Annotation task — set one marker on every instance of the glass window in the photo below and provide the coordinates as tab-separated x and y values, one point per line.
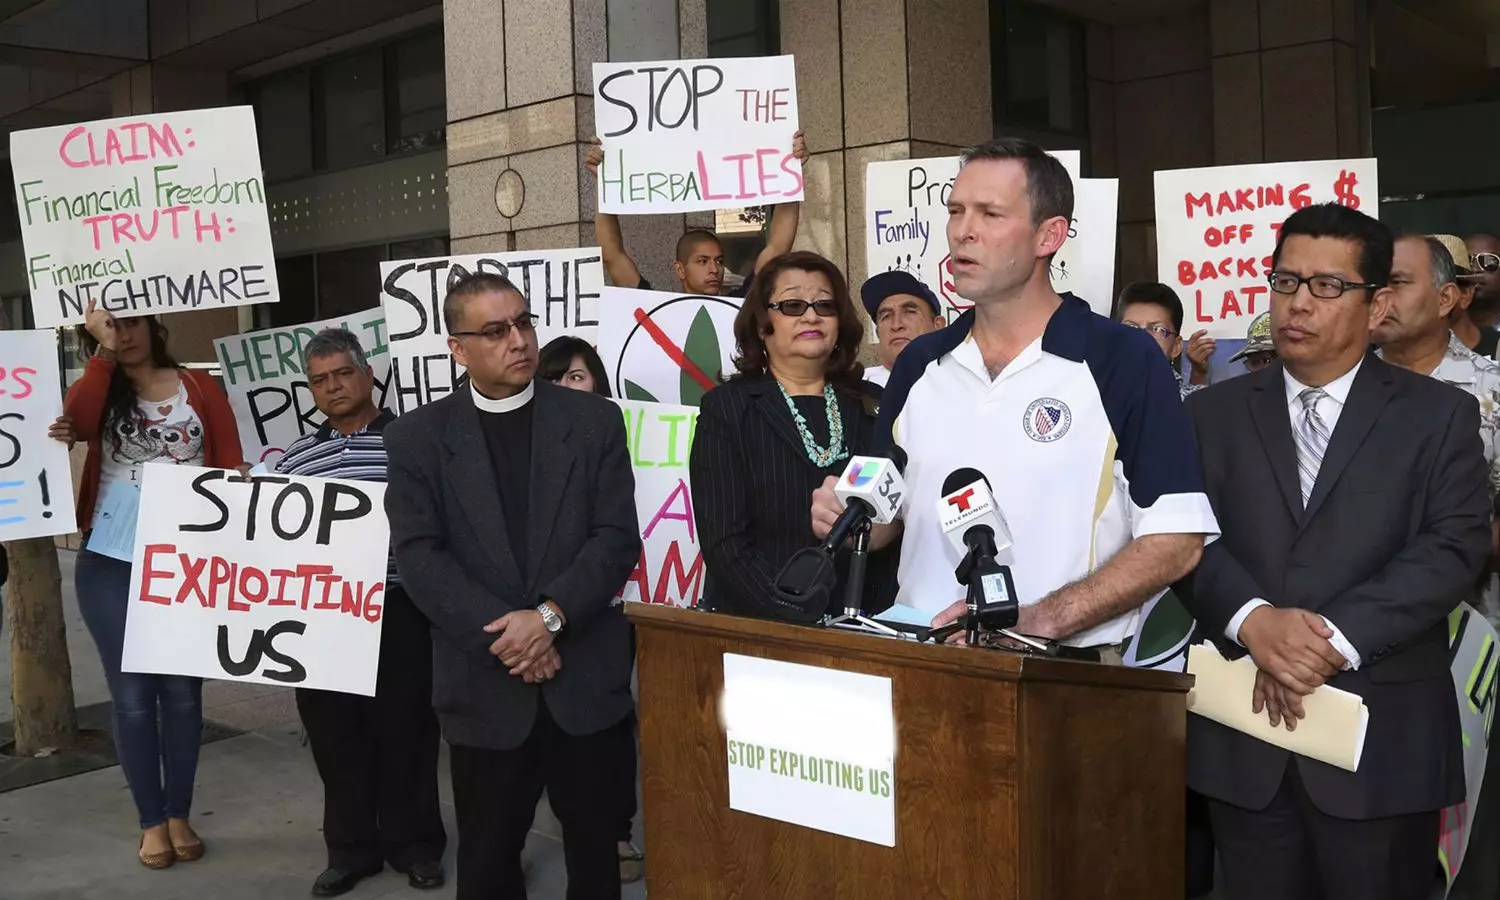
420	248
1037	69
743	28
419	94
283	124
349	280
296	276
352	110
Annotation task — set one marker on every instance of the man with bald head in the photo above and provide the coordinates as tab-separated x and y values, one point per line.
699	266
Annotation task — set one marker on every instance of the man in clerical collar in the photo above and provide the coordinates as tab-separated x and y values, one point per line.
512	510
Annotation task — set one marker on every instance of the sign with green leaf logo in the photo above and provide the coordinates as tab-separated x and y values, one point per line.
666	348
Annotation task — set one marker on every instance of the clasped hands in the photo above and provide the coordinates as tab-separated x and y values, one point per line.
1293	654
525	646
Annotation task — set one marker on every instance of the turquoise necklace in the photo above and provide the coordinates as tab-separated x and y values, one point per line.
834	452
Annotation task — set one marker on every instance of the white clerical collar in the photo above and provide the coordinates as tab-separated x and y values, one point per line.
505	405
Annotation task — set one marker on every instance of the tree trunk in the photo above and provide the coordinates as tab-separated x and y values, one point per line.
41	673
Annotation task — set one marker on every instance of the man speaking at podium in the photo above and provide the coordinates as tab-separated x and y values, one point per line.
1074	420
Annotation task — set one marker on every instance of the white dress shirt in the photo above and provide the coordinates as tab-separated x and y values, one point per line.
1329	408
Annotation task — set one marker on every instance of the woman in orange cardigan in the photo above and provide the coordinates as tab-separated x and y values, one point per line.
134	405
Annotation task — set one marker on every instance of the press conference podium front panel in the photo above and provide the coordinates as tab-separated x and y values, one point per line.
1016	776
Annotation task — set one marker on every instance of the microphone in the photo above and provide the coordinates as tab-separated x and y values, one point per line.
969	516
972	522
871	488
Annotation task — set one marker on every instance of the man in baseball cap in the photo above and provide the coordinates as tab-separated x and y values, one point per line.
1472	328
902	308
1259	351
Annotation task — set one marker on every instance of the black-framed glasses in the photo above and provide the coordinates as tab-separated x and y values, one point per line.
826	309
1324	287
495	332
1486	262
1155	329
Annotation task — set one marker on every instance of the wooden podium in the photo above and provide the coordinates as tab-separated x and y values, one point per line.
1016	776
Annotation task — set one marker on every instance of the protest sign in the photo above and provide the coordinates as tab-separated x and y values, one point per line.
685	135
1472	652
670	570
562	288
36	484
906	222
812	746
147	214
279	580
268	390
666	348
1216	231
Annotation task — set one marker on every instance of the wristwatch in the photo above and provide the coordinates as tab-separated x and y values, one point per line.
550	619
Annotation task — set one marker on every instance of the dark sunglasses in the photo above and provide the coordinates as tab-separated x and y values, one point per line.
826	309
1486	262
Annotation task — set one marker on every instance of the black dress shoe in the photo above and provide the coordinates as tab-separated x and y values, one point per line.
334	882
426	876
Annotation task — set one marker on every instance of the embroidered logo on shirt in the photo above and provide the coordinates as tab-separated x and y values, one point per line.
1047	419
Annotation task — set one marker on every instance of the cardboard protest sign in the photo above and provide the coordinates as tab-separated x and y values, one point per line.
906	222
1472	650
280	580
670	570
268	390
561	286
685	135
155	213
36	484
666	348
1216	231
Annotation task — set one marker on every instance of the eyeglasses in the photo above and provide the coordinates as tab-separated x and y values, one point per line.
495	332
1324	287
825	309
1486	262
1155	329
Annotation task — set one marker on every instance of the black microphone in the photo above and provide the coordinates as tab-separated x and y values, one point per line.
871	489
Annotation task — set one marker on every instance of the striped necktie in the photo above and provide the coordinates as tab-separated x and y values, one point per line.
1311	435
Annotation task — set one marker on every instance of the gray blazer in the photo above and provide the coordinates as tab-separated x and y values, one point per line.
451	547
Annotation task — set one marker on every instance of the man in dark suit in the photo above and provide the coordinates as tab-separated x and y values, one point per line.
1354	514
512	510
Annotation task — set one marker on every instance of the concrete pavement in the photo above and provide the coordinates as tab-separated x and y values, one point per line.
258	807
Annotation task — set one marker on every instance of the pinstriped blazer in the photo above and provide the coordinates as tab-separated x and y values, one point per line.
752	494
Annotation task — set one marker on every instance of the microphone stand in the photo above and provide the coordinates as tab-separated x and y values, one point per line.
854	590
971	571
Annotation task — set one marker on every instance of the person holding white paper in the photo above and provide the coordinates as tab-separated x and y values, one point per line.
699	266
1355	516
134	405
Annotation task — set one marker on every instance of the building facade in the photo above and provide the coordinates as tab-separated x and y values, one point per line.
405	128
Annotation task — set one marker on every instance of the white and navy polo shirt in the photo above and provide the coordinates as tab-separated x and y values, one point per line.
355	457
1083	438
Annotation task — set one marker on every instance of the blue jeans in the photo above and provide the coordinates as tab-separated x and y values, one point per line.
158	719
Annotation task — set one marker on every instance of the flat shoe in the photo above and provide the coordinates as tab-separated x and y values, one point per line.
189	852
162	860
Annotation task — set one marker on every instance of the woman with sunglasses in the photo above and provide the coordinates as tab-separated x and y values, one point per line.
768	438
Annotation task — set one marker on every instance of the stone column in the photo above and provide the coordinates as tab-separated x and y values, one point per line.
867	92
520	111
1291	80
